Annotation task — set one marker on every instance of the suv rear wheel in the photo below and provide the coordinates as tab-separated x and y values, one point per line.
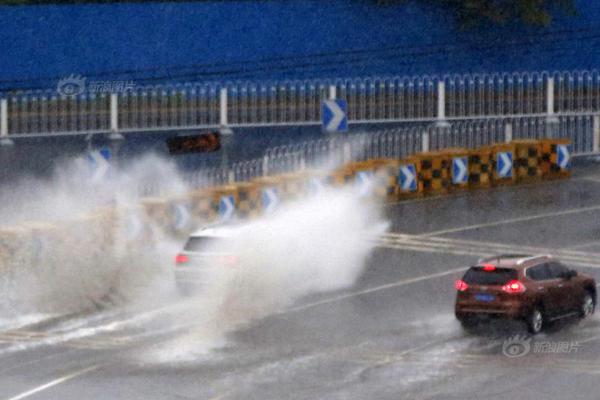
468	323
587	305
535	321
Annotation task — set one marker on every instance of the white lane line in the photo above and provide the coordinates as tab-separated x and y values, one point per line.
583	245
510	221
443	242
434	249
476	253
53	383
399	283
477	248
564	250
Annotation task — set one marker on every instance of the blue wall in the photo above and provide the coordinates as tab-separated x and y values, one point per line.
229	40
223	40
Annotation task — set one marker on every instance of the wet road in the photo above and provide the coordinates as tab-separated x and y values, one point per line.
391	336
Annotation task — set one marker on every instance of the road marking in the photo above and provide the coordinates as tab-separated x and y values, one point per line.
53	383
443	242
511	221
479	249
582	245
433	249
399	283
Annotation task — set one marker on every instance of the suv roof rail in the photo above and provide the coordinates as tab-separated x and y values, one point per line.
503	256
531	258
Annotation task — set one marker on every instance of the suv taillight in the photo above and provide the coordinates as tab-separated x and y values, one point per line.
181	259
228	260
514	286
461	285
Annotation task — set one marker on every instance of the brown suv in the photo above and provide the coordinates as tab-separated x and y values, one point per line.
535	289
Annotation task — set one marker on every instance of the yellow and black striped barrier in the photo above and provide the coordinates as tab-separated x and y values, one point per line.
386	179
527	160
204	204
249	199
480	168
555	158
433	172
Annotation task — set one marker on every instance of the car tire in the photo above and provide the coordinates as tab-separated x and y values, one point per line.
468	323
587	305
535	321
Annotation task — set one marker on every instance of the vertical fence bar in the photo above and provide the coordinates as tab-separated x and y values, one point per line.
4	139
550	100
425	141
441	105
596	134
114	113
508	132
223	107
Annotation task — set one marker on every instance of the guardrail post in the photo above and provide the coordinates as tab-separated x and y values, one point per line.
441	106
332	92
596	134
551	118
114	118
425	141
347	152
4	139
508	132
265	166
223	116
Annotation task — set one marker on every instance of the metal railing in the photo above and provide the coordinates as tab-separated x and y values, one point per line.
245	104
398	143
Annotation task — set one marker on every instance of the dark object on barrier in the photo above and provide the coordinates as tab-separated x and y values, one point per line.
203	143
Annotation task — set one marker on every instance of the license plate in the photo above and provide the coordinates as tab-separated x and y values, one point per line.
484	297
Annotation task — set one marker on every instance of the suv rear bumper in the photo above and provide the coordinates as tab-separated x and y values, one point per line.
503	311
189	279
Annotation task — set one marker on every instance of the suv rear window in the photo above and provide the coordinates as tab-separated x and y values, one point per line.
199	243
499	276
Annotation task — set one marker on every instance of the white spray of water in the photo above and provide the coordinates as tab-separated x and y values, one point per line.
315	245
70	261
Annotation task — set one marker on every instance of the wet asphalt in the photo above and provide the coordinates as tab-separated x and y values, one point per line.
391	336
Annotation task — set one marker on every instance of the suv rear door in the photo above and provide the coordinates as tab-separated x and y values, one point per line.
547	288
568	289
